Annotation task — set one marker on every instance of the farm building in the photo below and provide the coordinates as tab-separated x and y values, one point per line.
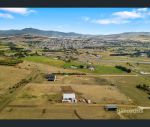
111	107
68	94
91	68
73	67
51	77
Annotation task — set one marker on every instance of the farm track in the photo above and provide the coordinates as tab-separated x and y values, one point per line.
112	75
76	105
125	61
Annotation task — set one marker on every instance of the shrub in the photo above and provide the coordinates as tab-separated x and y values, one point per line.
123	69
10	62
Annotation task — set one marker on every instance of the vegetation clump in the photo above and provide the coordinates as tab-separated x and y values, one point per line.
144	87
123	69
10	62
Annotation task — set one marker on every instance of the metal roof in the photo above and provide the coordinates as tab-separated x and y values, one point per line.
111	106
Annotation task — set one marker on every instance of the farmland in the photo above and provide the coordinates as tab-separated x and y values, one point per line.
96	77
59	63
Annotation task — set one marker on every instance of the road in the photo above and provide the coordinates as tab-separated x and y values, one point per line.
125	61
134	75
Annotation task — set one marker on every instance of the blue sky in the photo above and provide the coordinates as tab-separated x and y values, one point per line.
79	20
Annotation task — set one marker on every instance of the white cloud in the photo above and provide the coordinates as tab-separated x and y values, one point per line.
5	15
142	9
121	17
22	11
110	21
128	14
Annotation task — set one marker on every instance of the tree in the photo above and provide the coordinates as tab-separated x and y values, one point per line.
81	66
148	53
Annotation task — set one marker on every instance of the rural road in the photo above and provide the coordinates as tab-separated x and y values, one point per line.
111	75
125	61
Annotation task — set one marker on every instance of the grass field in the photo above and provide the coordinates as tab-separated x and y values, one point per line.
45	60
100	69
53	111
144	115
11	75
127	85
41	99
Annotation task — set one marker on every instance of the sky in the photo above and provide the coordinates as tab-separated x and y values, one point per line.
80	20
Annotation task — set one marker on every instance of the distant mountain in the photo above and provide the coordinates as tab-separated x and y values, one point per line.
135	36
38	32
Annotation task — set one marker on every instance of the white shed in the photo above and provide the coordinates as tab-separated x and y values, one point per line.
68	94
69	97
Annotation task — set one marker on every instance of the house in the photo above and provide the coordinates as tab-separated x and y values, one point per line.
143	54
91	68
51	77
111	107
68	94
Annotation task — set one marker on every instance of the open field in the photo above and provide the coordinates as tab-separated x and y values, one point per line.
127	85
10	76
100	69
45	60
41	99
97	94
53	111
144	115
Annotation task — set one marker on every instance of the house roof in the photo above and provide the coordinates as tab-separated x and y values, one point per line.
67	89
51	76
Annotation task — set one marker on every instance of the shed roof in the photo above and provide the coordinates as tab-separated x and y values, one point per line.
111	106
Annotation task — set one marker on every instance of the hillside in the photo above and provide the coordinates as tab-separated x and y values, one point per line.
35	38
36	32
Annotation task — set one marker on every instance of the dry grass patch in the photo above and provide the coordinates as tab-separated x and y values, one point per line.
10	76
101	94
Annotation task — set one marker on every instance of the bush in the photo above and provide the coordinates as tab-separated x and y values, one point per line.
25	95
10	62
81	66
143	87
123	69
